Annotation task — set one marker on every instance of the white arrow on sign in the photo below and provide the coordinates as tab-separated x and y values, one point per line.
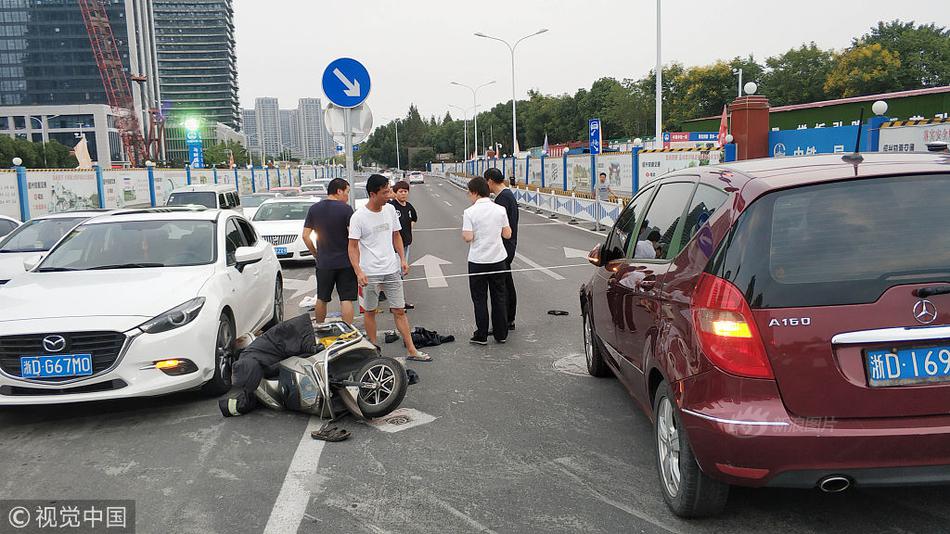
352	87
433	268
574	253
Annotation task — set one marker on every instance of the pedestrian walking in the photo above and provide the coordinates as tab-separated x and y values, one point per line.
407	218
378	258
603	193
484	225
330	219
506	199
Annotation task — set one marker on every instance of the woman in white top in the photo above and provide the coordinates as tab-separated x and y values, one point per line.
484	224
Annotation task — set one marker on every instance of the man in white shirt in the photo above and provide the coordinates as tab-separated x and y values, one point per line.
484	224
378	258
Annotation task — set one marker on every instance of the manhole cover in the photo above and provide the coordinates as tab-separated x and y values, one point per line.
574	365
398	420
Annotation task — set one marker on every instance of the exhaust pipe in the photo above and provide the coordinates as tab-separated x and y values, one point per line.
834	484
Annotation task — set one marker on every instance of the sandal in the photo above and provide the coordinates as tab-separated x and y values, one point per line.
330	434
420	357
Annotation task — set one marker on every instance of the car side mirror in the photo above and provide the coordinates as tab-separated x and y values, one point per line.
31	262
245	256
594	256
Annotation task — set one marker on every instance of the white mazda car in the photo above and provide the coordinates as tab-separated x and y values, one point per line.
280	222
137	303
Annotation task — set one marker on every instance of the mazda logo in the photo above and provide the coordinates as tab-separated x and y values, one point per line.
54	343
925	312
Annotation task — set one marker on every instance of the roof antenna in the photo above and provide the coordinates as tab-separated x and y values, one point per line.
856	158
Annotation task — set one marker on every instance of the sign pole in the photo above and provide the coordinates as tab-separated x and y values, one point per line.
348	149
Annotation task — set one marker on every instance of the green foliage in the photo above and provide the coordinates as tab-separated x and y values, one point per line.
864	69
798	75
218	154
924	51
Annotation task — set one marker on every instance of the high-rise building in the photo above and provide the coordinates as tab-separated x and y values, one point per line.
50	86
249	125
267	114
289	132
315	141
196	60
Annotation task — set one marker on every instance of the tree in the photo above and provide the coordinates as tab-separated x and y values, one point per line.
27	151
220	153
421	157
56	156
862	70
924	51
798	76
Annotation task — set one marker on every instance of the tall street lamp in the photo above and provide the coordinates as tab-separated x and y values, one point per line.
659	80
396	123
514	115
474	91
465	124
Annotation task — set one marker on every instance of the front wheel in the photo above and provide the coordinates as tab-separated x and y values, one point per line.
383	386
278	311
686	489
596	366
220	382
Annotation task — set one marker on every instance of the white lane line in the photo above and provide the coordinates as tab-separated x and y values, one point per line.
291	504
547	270
435	195
447	203
538	266
459	227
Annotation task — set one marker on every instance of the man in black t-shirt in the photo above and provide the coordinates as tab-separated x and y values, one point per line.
506	199
407	218
330	219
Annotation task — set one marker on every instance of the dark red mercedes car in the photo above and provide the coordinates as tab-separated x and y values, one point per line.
783	322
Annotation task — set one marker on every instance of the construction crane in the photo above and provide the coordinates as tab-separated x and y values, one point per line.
114	78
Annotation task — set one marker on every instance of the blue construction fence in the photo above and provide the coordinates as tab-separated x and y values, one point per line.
26	193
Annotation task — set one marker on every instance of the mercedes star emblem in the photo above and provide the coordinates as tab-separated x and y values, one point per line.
54	343
925	312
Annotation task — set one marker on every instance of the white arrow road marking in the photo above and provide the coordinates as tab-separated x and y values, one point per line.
352	87
302	287
433	268
574	253
537	266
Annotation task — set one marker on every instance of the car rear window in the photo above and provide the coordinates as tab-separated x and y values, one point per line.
839	243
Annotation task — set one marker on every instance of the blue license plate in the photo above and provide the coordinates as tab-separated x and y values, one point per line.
903	367
61	365
280	251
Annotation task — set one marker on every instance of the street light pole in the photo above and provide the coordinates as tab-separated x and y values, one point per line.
396	122
514	100
474	91
659	79
465	125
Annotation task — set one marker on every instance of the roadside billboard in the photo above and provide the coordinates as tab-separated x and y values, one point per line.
809	141
655	163
690	139
899	136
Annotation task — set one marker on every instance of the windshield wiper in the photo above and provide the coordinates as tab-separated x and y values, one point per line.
125	266
930	291
11	251
54	269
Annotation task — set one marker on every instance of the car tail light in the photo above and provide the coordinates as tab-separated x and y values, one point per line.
727	333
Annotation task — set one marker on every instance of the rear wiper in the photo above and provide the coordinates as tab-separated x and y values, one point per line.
125	266
930	291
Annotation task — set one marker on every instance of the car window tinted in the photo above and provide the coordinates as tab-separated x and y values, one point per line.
839	243
250	236
233	239
197	198
659	228
235	199
223	201
39	235
134	244
618	242
706	200
6	227
283	211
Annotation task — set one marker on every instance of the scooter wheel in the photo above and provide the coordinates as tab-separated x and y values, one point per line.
384	386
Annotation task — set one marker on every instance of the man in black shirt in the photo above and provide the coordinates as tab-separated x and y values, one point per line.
407	218
506	199
330	219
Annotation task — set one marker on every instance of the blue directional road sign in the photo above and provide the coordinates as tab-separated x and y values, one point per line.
593	126
346	82
195	149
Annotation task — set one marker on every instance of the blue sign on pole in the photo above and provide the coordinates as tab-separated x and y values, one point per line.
346	82
195	147
595	136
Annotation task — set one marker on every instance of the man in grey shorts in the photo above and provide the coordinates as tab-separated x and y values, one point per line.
378	257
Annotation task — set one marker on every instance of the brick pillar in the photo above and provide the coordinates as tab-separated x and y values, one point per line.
750	126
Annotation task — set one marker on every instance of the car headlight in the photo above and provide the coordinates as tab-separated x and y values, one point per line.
174	318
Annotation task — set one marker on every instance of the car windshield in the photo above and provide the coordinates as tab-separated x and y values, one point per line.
193	198
253	201
134	244
314	188
39	235
359	191
283	211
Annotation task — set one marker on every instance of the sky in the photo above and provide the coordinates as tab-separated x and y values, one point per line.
413	49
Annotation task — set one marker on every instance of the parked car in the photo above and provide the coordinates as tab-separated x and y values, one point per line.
220	196
783	323
37	236
286	191
252	201
7	225
314	189
280	222
417	177
359	194
139	303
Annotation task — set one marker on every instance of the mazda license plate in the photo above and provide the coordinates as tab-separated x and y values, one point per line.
904	367
58	366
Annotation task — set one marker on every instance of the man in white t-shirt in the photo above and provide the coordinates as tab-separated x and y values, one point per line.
377	255
484	224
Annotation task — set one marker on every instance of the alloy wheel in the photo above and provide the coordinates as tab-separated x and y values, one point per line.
668	447
378	383
279	302
588	340
223	349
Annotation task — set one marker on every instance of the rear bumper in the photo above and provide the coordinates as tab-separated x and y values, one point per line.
746	437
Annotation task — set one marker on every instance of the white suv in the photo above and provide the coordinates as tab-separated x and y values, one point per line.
223	197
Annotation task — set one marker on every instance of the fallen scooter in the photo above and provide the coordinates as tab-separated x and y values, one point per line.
347	375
